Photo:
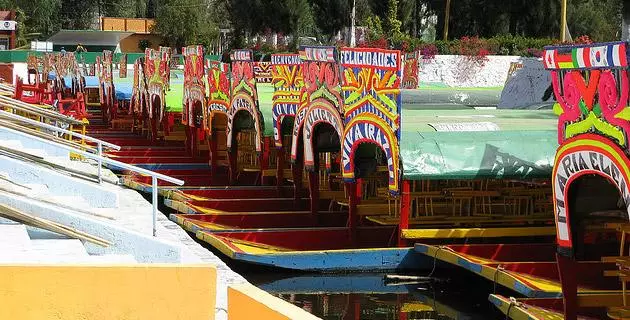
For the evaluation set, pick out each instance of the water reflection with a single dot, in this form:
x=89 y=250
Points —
x=370 y=297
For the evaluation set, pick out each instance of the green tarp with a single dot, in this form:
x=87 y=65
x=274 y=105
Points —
x=523 y=146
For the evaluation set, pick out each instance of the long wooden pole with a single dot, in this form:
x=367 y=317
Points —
x=447 y=15
x=563 y=21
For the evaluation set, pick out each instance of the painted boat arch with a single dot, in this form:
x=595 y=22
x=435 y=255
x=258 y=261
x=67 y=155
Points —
x=244 y=96
x=288 y=82
x=322 y=103
x=590 y=83
x=364 y=129
x=156 y=72
x=372 y=107
x=218 y=91
x=139 y=94
x=320 y=111
x=586 y=154
x=194 y=99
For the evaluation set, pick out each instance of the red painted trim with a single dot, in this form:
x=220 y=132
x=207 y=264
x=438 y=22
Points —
x=405 y=211
x=568 y=279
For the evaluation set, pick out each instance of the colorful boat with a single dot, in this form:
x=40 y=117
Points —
x=447 y=188
x=326 y=169
x=590 y=186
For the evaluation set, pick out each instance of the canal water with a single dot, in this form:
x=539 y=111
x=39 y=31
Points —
x=449 y=295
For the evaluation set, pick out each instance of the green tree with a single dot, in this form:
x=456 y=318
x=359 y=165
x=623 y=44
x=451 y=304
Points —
x=392 y=24
x=183 y=23
x=331 y=16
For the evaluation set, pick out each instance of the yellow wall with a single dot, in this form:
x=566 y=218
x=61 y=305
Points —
x=153 y=292
x=127 y=24
x=130 y=43
x=246 y=302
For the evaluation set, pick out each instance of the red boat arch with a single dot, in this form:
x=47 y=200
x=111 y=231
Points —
x=588 y=154
x=320 y=111
x=365 y=129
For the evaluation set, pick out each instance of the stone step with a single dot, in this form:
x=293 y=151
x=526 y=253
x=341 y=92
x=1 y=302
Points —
x=71 y=248
x=59 y=183
x=6 y=134
x=13 y=237
x=17 y=145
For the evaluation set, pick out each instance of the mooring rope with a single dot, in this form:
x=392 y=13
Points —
x=496 y=275
x=435 y=260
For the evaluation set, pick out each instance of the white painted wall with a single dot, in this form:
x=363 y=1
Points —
x=459 y=71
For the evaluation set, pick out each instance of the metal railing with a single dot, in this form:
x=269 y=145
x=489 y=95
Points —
x=25 y=107
x=99 y=143
x=154 y=175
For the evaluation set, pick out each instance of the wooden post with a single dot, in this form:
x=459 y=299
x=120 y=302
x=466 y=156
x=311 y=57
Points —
x=213 y=154
x=567 y=269
x=264 y=161
x=405 y=210
x=279 y=168
x=296 y=169
x=563 y=21
x=351 y=187
x=447 y=16
x=313 y=186
x=233 y=158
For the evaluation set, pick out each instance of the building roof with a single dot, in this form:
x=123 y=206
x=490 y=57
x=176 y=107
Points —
x=88 y=37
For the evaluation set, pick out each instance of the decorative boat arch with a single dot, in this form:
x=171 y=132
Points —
x=288 y=81
x=106 y=89
x=590 y=83
x=372 y=107
x=321 y=101
x=194 y=88
x=244 y=95
x=156 y=70
x=139 y=89
x=218 y=91
x=586 y=154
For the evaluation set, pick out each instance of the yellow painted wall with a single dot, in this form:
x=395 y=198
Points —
x=130 y=43
x=246 y=302
x=127 y=24
x=142 y=291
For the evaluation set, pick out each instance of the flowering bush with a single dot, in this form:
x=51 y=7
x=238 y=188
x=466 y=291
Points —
x=428 y=51
x=378 y=43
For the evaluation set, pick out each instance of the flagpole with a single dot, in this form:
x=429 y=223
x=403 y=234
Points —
x=563 y=21
x=447 y=16
x=353 y=39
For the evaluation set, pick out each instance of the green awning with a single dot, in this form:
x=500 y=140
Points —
x=473 y=155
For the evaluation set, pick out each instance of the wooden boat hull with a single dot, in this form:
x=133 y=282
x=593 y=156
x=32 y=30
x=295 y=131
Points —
x=529 y=269
x=540 y=309
x=316 y=249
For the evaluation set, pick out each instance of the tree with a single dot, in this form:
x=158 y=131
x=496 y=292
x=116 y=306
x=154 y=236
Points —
x=392 y=24
x=77 y=14
x=331 y=15
x=40 y=16
x=182 y=23
x=626 y=21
